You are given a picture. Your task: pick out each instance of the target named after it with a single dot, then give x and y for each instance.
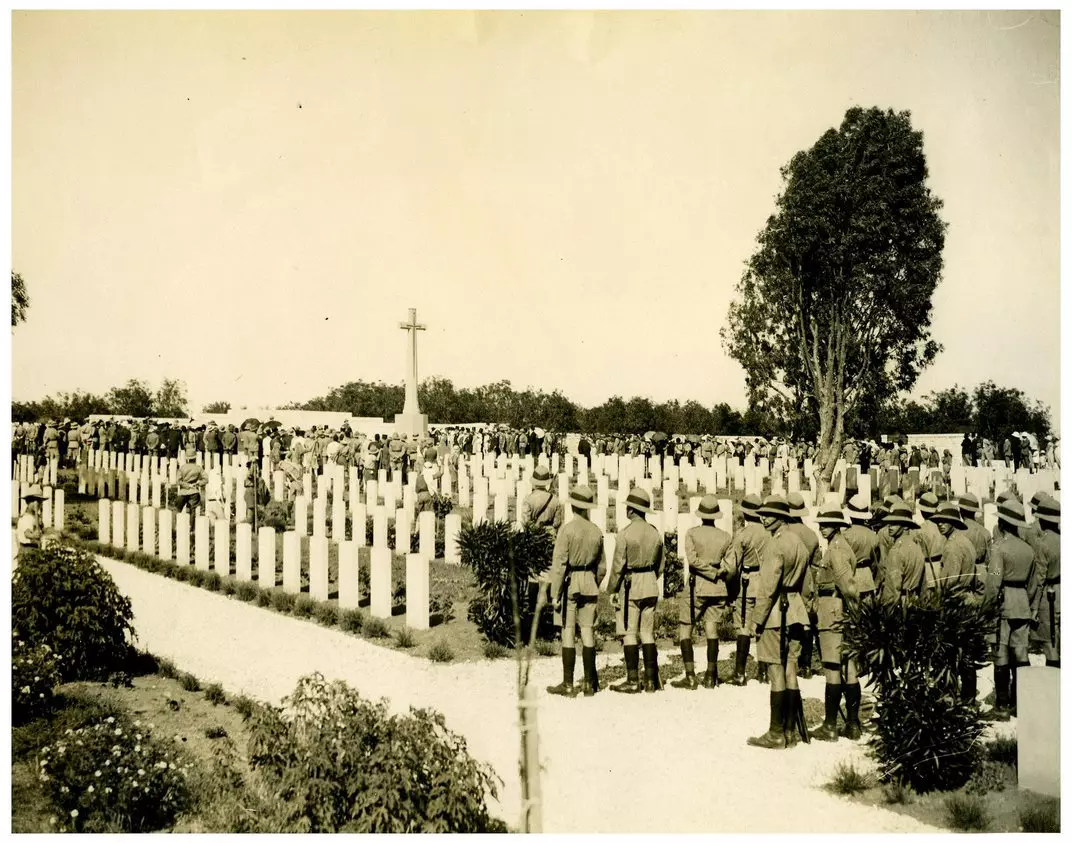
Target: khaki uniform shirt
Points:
(904, 568)
(980, 539)
(958, 563)
(578, 554)
(705, 547)
(811, 541)
(835, 582)
(785, 561)
(1015, 577)
(866, 552)
(931, 542)
(551, 511)
(639, 556)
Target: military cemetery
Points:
(803, 581)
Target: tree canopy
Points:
(835, 304)
(20, 299)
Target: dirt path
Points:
(693, 772)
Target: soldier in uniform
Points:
(978, 536)
(904, 564)
(542, 507)
(742, 567)
(835, 585)
(577, 568)
(957, 575)
(708, 597)
(931, 540)
(864, 544)
(781, 620)
(1048, 514)
(797, 510)
(638, 564)
(1014, 584)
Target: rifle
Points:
(744, 600)
(692, 599)
(1051, 596)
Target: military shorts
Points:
(580, 609)
(830, 646)
(769, 647)
(1013, 634)
(698, 611)
(743, 615)
(637, 616)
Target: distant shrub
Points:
(213, 581)
(966, 813)
(304, 606)
(351, 620)
(404, 638)
(189, 682)
(376, 628)
(1044, 818)
(278, 515)
(166, 668)
(229, 586)
(546, 648)
(495, 651)
(848, 780)
(990, 777)
(326, 614)
(441, 652)
(897, 794)
(282, 601)
(63, 598)
(214, 694)
(215, 732)
(264, 597)
(1003, 750)
(246, 592)
(374, 786)
(245, 706)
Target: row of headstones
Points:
(52, 507)
(162, 533)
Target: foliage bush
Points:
(326, 614)
(848, 780)
(246, 592)
(441, 652)
(351, 620)
(966, 813)
(495, 651)
(34, 676)
(1044, 818)
(214, 694)
(213, 581)
(927, 737)
(229, 586)
(990, 777)
(278, 515)
(189, 682)
(442, 505)
(304, 606)
(63, 598)
(1003, 749)
(114, 776)
(490, 549)
(376, 628)
(398, 773)
(673, 567)
(282, 601)
(404, 638)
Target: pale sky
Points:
(567, 198)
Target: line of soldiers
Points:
(783, 590)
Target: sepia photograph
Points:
(535, 421)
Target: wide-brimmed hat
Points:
(797, 507)
(928, 503)
(949, 513)
(1007, 494)
(858, 512)
(968, 503)
(775, 506)
(33, 493)
(541, 477)
(708, 508)
(1049, 509)
(750, 505)
(638, 499)
(1011, 511)
(832, 518)
(581, 497)
(900, 516)
(1036, 498)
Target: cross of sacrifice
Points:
(411, 369)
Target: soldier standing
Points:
(958, 576)
(781, 620)
(542, 507)
(835, 584)
(864, 544)
(904, 564)
(931, 541)
(708, 596)
(1048, 514)
(1014, 584)
(742, 561)
(978, 536)
(797, 510)
(577, 568)
(638, 563)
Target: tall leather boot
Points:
(795, 731)
(689, 658)
(774, 738)
(853, 729)
(761, 673)
(569, 662)
(804, 662)
(591, 677)
(1053, 663)
(651, 667)
(631, 685)
(829, 731)
(741, 662)
(711, 679)
(1001, 691)
(969, 685)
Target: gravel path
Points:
(692, 772)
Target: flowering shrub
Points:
(34, 676)
(339, 763)
(112, 776)
(442, 505)
(63, 598)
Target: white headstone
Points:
(372, 492)
(164, 533)
(291, 562)
(1038, 706)
(148, 531)
(359, 525)
(266, 557)
(104, 516)
(318, 568)
(380, 582)
(133, 527)
(453, 527)
(349, 590)
(427, 530)
(320, 517)
(118, 523)
(416, 591)
(379, 528)
(338, 519)
(221, 541)
(244, 552)
(501, 508)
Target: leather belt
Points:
(1053, 580)
(865, 564)
(795, 590)
(646, 569)
(751, 570)
(1017, 584)
(827, 591)
(594, 566)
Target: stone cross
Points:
(411, 407)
